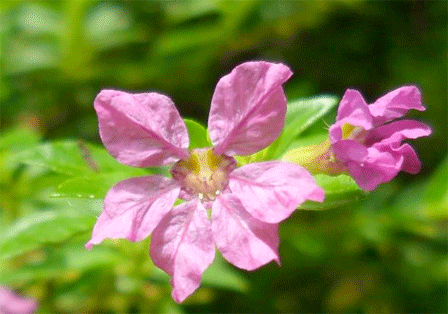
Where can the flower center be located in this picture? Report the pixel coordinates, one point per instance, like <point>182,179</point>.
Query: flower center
<point>351,132</point>
<point>203,174</point>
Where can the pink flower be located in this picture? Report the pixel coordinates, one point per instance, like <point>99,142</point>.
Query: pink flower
<point>368,146</point>
<point>247,203</point>
<point>11,303</point>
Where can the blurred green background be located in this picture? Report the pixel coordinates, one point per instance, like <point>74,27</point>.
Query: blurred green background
<point>385,253</point>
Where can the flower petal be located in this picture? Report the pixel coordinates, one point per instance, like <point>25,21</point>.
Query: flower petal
<point>369,167</point>
<point>396,104</point>
<point>182,245</point>
<point>354,110</point>
<point>349,150</point>
<point>248,108</point>
<point>133,208</point>
<point>411,163</point>
<point>403,129</point>
<point>377,168</point>
<point>142,130</point>
<point>11,302</point>
<point>272,191</point>
<point>388,138</point>
<point>243,240</point>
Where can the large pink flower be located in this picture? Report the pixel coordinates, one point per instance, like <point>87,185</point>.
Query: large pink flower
<point>12,303</point>
<point>247,203</point>
<point>371,150</point>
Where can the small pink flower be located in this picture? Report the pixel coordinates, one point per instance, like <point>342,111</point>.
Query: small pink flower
<point>12,303</point>
<point>370,149</point>
<point>247,203</point>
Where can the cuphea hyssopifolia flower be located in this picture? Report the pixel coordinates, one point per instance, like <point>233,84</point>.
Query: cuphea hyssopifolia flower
<point>236,209</point>
<point>363,143</point>
<point>12,303</point>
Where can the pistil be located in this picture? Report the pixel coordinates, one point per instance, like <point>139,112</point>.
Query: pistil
<point>204,174</point>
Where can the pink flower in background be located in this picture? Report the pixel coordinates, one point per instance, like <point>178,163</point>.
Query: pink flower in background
<point>370,148</point>
<point>247,203</point>
<point>12,303</point>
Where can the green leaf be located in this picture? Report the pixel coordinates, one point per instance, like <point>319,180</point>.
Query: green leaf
<point>300,115</point>
<point>51,267</point>
<point>18,139</point>
<point>221,275</point>
<point>77,257</point>
<point>93,185</point>
<point>339,190</point>
<point>61,262</point>
<point>182,40</point>
<point>43,228</point>
<point>436,193</point>
<point>61,157</point>
<point>198,134</point>
<point>218,275</point>
<point>71,158</point>
<point>191,11</point>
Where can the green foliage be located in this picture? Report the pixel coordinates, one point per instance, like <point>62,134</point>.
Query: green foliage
<point>221,275</point>
<point>91,170</point>
<point>71,158</point>
<point>339,191</point>
<point>385,252</point>
<point>436,193</point>
<point>198,134</point>
<point>89,186</point>
<point>40,229</point>
<point>301,115</point>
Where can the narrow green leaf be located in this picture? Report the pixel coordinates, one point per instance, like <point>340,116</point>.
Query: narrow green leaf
<point>339,190</point>
<point>301,114</point>
<point>98,159</point>
<point>71,158</point>
<point>198,134</point>
<point>43,228</point>
<point>436,193</point>
<point>191,11</point>
<point>221,275</point>
<point>18,139</point>
<point>218,275</point>
<point>77,257</point>
<point>93,185</point>
<point>62,157</point>
<point>49,268</point>
<point>182,40</point>
<point>62,261</point>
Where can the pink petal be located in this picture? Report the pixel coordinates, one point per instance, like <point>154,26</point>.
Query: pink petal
<point>369,167</point>
<point>349,150</point>
<point>248,108</point>
<point>182,245</point>
<point>403,129</point>
<point>243,240</point>
<point>392,145</point>
<point>13,303</point>
<point>272,191</point>
<point>378,167</point>
<point>388,138</point>
<point>354,110</point>
<point>133,208</point>
<point>411,163</point>
<point>143,130</point>
<point>396,104</point>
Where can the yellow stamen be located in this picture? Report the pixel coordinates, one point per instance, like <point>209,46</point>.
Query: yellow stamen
<point>204,173</point>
